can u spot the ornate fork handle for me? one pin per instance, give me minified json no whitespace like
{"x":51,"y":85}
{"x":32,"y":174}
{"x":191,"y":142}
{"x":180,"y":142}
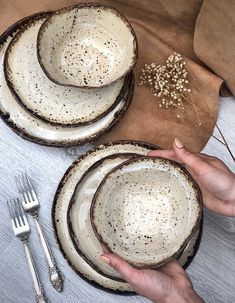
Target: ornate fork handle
{"x":56,"y":277}
{"x":40,"y":298}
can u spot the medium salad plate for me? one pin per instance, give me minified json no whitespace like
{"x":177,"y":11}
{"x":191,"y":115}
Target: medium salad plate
{"x":81,"y":232}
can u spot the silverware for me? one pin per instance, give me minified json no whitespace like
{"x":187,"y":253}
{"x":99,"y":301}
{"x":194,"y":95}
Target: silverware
{"x":31,"y":205}
{"x":21,"y":230}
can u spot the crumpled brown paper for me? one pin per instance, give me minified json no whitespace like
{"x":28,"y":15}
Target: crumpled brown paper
{"x":214,"y":39}
{"x":162,"y":27}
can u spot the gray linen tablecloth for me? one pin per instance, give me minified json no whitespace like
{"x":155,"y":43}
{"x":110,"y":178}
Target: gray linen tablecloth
{"x":212,"y":271}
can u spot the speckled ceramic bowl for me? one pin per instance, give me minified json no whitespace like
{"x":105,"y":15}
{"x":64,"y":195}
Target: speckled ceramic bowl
{"x":146,"y":210}
{"x":87,"y":45}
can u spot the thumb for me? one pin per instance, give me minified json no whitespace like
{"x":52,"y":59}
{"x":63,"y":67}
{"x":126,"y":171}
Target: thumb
{"x":128,"y":272}
{"x":187,"y":157}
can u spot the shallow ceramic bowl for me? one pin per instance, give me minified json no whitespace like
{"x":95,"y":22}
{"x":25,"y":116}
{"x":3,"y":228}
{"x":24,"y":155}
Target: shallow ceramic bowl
{"x":87,"y":45}
{"x":146,"y":210}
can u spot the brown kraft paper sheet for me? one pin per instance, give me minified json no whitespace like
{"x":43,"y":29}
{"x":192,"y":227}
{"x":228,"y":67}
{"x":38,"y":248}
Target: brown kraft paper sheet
{"x":162,"y":27}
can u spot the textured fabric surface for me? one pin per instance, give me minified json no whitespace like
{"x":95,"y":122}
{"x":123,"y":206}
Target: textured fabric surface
{"x":162,"y":27}
{"x":214,"y":39}
{"x":212,"y":271}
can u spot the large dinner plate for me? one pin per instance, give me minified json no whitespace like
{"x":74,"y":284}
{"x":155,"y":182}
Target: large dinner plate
{"x":56,"y":104}
{"x":36,"y":130}
{"x":81,"y":263}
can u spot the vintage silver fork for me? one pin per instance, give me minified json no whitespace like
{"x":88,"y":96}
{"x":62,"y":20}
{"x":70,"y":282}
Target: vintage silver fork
{"x":31,"y":205}
{"x":21,"y":230}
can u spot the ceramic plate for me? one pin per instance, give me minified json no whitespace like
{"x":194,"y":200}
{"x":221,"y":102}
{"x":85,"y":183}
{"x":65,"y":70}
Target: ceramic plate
{"x":56,"y":104}
{"x":60,"y":209}
{"x":34,"y":129}
{"x":146,"y":210}
{"x":80,"y":263}
{"x":87,"y":45}
{"x":191,"y":249}
{"x":81,"y":232}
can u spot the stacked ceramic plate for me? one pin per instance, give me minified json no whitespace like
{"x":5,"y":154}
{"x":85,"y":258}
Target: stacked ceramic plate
{"x":66,"y":76}
{"x":147,"y":210}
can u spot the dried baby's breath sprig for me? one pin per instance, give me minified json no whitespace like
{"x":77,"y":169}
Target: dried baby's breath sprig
{"x":169,"y":82}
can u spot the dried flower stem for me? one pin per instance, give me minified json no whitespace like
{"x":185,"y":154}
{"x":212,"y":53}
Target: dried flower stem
{"x":224,"y":143}
{"x":169,"y":83}
{"x":196,"y":86}
{"x":189,"y":100}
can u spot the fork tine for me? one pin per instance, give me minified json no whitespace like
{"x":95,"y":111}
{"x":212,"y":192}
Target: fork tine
{"x":17,"y":211}
{"x":28,"y":182}
{"x":18,"y":183}
{"x":27,"y":187}
{"x":30,"y":187}
{"x":22,"y":188}
{"x":11,"y":211}
{"x":21,"y":212}
{"x":23,"y":183}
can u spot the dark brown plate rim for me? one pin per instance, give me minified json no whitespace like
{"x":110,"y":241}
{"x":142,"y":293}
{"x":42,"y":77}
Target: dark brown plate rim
{"x":57,"y":193}
{"x":192,"y":231}
{"x":53,"y":211}
{"x":72,"y":201}
{"x":80,"y":6}
{"x":11,"y":85}
{"x":6,"y":116}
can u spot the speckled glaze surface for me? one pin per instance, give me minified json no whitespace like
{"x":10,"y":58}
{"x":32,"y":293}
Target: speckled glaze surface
{"x":60,"y":210}
{"x":87,"y":45}
{"x":80,"y":228}
{"x":68,"y":186}
{"x":36,"y":130}
{"x":56,"y":104}
{"x":81,"y":232}
{"x":146,"y":210}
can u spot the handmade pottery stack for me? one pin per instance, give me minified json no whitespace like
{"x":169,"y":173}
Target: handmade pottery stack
{"x":147,"y":210}
{"x":67,"y":75}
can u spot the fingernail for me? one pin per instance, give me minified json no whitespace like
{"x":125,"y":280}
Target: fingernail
{"x":178,"y":143}
{"x":105,"y":259}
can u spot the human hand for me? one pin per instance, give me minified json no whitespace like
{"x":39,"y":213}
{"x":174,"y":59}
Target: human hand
{"x":214,"y":178}
{"x":168,"y":284}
